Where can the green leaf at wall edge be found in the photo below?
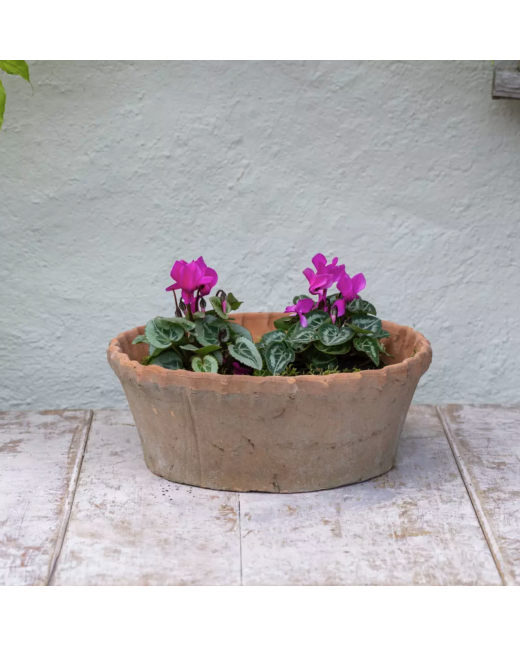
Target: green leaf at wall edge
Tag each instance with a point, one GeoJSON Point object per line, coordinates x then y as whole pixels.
{"type": "Point", "coordinates": [168, 359]}
{"type": "Point", "coordinates": [204, 364]}
{"type": "Point", "coordinates": [330, 334]}
{"type": "Point", "coordinates": [232, 303]}
{"type": "Point", "coordinates": [246, 352]}
{"type": "Point", "coordinates": [140, 338]}
{"type": "Point", "coordinates": [278, 356]}
{"type": "Point", "coordinates": [19, 68]}
{"type": "Point", "coordinates": [2, 103]}
{"type": "Point", "coordinates": [341, 348]}
{"type": "Point", "coordinates": [369, 346]}
{"type": "Point", "coordinates": [217, 306]}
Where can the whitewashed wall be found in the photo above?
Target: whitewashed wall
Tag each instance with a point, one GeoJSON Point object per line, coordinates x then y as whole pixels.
{"type": "Point", "coordinates": [109, 171]}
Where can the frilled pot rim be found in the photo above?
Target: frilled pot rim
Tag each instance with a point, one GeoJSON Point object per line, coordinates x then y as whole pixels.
{"type": "Point", "coordinates": [402, 338]}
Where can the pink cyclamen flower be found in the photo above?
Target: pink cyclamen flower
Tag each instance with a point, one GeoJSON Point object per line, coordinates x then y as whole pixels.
{"type": "Point", "coordinates": [191, 277]}
{"type": "Point", "coordinates": [350, 287]}
{"type": "Point", "coordinates": [320, 262]}
{"type": "Point", "coordinates": [240, 370]}
{"type": "Point", "coordinates": [302, 307]}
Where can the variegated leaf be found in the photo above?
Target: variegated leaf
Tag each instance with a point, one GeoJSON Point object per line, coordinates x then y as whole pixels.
{"type": "Point", "coordinates": [246, 352]}
{"type": "Point", "coordinates": [359, 306]}
{"type": "Point", "coordinates": [321, 361]}
{"type": "Point", "coordinates": [204, 364]}
{"type": "Point", "coordinates": [342, 348]}
{"type": "Point", "coordinates": [316, 318]}
{"type": "Point", "coordinates": [272, 337]}
{"type": "Point", "coordinates": [369, 346]}
{"type": "Point", "coordinates": [330, 334]}
{"type": "Point", "coordinates": [366, 325]}
{"type": "Point", "coordinates": [278, 356]}
{"type": "Point", "coordinates": [168, 359]}
{"type": "Point", "coordinates": [162, 333]}
{"type": "Point", "coordinates": [299, 337]}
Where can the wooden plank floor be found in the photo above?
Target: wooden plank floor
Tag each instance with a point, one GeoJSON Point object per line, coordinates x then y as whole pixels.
{"type": "Point", "coordinates": [40, 456]}
{"type": "Point", "coordinates": [447, 514]}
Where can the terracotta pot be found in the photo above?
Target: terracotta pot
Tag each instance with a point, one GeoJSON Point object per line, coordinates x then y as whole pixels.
{"type": "Point", "coordinates": [278, 434]}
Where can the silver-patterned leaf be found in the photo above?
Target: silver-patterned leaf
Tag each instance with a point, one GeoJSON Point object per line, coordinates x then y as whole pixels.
{"type": "Point", "coordinates": [239, 330]}
{"type": "Point", "coordinates": [246, 352]}
{"type": "Point", "coordinates": [162, 333]}
{"type": "Point", "coordinates": [217, 306]}
{"type": "Point", "coordinates": [299, 337]}
{"type": "Point", "coordinates": [321, 360]}
{"type": "Point", "coordinates": [369, 346]}
{"type": "Point", "coordinates": [366, 325]}
{"type": "Point", "coordinates": [342, 348]}
{"type": "Point", "coordinates": [316, 318]}
{"type": "Point", "coordinates": [272, 337]}
{"type": "Point", "coordinates": [359, 306]}
{"type": "Point", "coordinates": [330, 334]}
{"type": "Point", "coordinates": [168, 359]}
{"type": "Point", "coordinates": [278, 356]}
{"type": "Point", "coordinates": [204, 364]}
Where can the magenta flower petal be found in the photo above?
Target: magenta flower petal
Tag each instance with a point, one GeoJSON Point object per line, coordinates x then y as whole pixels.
{"type": "Point", "coordinates": [358, 283]}
{"type": "Point", "coordinates": [303, 320]}
{"type": "Point", "coordinates": [304, 305]}
{"type": "Point", "coordinates": [340, 306]}
{"type": "Point", "coordinates": [319, 261]}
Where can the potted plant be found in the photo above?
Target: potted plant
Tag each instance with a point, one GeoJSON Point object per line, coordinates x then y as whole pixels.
{"type": "Point", "coordinates": [311, 398]}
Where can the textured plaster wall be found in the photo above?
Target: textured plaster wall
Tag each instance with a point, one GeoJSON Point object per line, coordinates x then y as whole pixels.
{"type": "Point", "coordinates": [110, 171]}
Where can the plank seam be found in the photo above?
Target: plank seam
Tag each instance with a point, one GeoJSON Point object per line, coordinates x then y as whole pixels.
{"type": "Point", "coordinates": [503, 571]}
{"type": "Point", "coordinates": [240, 537]}
{"type": "Point", "coordinates": [69, 502]}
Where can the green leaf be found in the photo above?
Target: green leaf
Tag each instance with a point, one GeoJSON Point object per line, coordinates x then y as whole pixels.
{"type": "Point", "coordinates": [330, 334]}
{"type": "Point", "coordinates": [162, 333]}
{"type": "Point", "coordinates": [239, 330]}
{"type": "Point", "coordinates": [218, 356]}
{"type": "Point", "coordinates": [285, 322]}
{"type": "Point", "coordinates": [202, 352]}
{"type": "Point", "coordinates": [366, 325]}
{"type": "Point", "coordinates": [190, 347]}
{"type": "Point", "coordinates": [383, 350]}
{"type": "Point", "coordinates": [316, 318]}
{"type": "Point", "coordinates": [169, 360]}
{"type": "Point", "coordinates": [217, 306]}
{"type": "Point", "coordinates": [154, 352]}
{"type": "Point", "coordinates": [186, 323]}
{"type": "Point", "coordinates": [321, 360]}
{"type": "Point", "coordinates": [232, 303]}
{"type": "Point", "coordinates": [140, 338]}
{"type": "Point", "coordinates": [298, 298]}
{"type": "Point", "coordinates": [246, 352]}
{"type": "Point", "coordinates": [209, 333]}
{"type": "Point", "coordinates": [369, 346]}
{"type": "Point", "coordinates": [19, 68]}
{"type": "Point", "coordinates": [204, 364]}
{"type": "Point", "coordinates": [2, 103]}
{"type": "Point", "coordinates": [278, 356]}
{"type": "Point", "coordinates": [271, 337]}
{"type": "Point", "coordinates": [359, 306]}
{"type": "Point", "coordinates": [342, 348]}
{"type": "Point", "coordinates": [383, 334]}
{"type": "Point", "coordinates": [299, 337]}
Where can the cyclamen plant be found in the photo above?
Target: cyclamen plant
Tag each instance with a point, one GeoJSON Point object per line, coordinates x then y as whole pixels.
{"type": "Point", "coordinates": [196, 339]}
{"type": "Point", "coordinates": [335, 333]}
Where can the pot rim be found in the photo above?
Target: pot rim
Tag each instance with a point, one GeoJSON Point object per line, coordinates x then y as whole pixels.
{"type": "Point", "coordinates": [419, 361]}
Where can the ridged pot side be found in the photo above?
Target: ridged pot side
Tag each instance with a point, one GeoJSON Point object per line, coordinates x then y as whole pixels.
{"type": "Point", "coordinates": [277, 434]}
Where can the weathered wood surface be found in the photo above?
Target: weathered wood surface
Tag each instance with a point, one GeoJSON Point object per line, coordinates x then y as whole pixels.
{"type": "Point", "coordinates": [129, 526]}
{"type": "Point", "coordinates": [40, 455]}
{"type": "Point", "coordinates": [506, 83]}
{"type": "Point", "coordinates": [414, 525]}
{"type": "Point", "coordinates": [486, 442]}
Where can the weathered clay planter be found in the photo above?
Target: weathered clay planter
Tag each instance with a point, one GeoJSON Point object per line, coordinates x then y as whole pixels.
{"type": "Point", "coordinates": [278, 434]}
